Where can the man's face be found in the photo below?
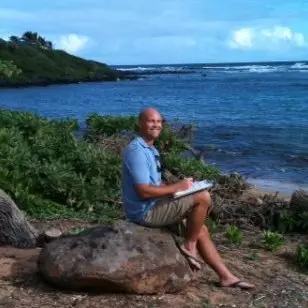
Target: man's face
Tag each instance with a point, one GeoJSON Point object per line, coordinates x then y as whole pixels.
{"type": "Point", "coordinates": [151, 125]}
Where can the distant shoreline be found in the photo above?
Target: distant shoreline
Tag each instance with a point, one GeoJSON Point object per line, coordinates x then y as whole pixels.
{"type": "Point", "coordinates": [45, 83]}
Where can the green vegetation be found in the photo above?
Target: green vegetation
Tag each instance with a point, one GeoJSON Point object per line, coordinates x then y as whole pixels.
{"type": "Point", "coordinates": [302, 256]}
{"type": "Point", "coordinates": [234, 235]}
{"type": "Point", "coordinates": [32, 60]}
{"type": "Point", "coordinates": [211, 225]}
{"type": "Point", "coordinates": [272, 240]}
{"type": "Point", "coordinates": [8, 69]}
{"type": "Point", "coordinates": [49, 172]}
{"type": "Point", "coordinates": [290, 220]}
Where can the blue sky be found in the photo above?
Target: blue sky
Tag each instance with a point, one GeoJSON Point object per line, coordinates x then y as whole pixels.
{"type": "Point", "coordinates": [165, 31]}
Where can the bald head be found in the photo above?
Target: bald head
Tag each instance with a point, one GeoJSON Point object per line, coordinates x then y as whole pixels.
{"type": "Point", "coordinates": [148, 112]}
{"type": "Point", "coordinates": [150, 124]}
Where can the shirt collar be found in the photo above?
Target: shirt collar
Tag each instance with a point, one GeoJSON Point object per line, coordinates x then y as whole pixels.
{"type": "Point", "coordinates": [142, 142]}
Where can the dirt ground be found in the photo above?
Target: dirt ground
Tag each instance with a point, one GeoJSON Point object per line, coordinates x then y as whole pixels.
{"type": "Point", "coordinates": [279, 283]}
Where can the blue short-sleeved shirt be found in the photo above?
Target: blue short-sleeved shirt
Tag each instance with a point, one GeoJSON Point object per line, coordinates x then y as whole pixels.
{"type": "Point", "coordinates": [141, 165]}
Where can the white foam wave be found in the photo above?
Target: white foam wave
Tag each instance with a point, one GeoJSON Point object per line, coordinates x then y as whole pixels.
{"type": "Point", "coordinates": [299, 66]}
{"type": "Point", "coordinates": [139, 68]}
{"type": "Point", "coordinates": [238, 67]}
{"type": "Point", "coordinates": [263, 69]}
{"type": "Point", "coordinates": [249, 68]}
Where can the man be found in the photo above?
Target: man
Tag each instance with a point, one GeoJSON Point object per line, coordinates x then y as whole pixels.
{"type": "Point", "coordinates": [148, 202]}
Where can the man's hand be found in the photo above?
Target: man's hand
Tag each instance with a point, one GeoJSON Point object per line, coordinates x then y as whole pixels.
{"type": "Point", "coordinates": [184, 184]}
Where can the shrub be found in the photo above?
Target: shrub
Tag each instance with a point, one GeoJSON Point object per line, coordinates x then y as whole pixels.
{"type": "Point", "coordinates": [289, 220]}
{"type": "Point", "coordinates": [302, 256]}
{"type": "Point", "coordinates": [272, 240]}
{"type": "Point", "coordinates": [43, 159]}
{"type": "Point", "coordinates": [234, 235]}
{"type": "Point", "coordinates": [47, 169]}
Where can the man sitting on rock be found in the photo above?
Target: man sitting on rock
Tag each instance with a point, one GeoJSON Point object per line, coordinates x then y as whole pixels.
{"type": "Point", "coordinates": [149, 202]}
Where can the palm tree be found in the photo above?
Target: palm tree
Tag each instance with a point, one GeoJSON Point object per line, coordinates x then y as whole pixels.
{"type": "Point", "coordinates": [30, 37]}
{"type": "Point", "coordinates": [14, 39]}
{"type": "Point", "coordinates": [41, 41]}
{"type": "Point", "coordinates": [49, 44]}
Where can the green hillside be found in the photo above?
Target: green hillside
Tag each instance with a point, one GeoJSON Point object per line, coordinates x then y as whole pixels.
{"type": "Point", "coordinates": [32, 60]}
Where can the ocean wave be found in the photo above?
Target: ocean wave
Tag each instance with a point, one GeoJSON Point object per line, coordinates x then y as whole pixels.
{"type": "Point", "coordinates": [139, 68]}
{"type": "Point", "coordinates": [246, 68]}
{"type": "Point", "coordinates": [300, 66]}
{"type": "Point", "coordinates": [220, 68]}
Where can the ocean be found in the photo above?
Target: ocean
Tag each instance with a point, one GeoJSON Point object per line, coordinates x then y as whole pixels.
{"type": "Point", "coordinates": [250, 118]}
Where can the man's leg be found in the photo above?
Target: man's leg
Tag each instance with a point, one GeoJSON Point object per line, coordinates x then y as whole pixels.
{"type": "Point", "coordinates": [204, 244]}
{"type": "Point", "coordinates": [168, 212]}
{"type": "Point", "coordinates": [195, 221]}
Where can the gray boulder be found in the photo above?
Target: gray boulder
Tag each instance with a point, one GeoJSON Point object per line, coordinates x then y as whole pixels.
{"type": "Point", "coordinates": [124, 258]}
{"type": "Point", "coordinates": [15, 230]}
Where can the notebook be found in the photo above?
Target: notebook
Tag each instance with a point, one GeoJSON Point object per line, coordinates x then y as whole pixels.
{"type": "Point", "coordinates": [196, 186]}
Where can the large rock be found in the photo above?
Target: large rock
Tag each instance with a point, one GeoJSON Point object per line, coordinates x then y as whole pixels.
{"type": "Point", "coordinates": [123, 258]}
{"type": "Point", "coordinates": [15, 230]}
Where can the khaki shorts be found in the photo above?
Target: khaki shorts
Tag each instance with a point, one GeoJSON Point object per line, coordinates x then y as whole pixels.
{"type": "Point", "coordinates": [169, 211]}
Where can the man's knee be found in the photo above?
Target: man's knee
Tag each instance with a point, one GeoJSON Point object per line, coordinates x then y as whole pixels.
{"type": "Point", "coordinates": [203, 198]}
{"type": "Point", "coordinates": [204, 232]}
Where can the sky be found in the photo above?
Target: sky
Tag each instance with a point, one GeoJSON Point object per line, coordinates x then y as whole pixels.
{"type": "Point", "coordinates": [131, 32]}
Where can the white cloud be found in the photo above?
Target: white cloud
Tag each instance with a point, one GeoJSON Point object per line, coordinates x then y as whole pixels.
{"type": "Point", "coordinates": [72, 43]}
{"type": "Point", "coordinates": [242, 38]}
{"type": "Point", "coordinates": [266, 39]}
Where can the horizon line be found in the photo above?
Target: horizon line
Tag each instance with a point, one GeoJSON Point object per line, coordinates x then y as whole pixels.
{"type": "Point", "coordinates": [213, 63]}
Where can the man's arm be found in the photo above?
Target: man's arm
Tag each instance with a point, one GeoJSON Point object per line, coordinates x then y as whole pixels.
{"type": "Point", "coordinates": [146, 191]}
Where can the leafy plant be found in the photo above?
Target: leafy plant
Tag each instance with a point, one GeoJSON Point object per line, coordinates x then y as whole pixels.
{"type": "Point", "coordinates": [211, 225]}
{"type": "Point", "coordinates": [272, 240]}
{"type": "Point", "coordinates": [234, 235]}
{"type": "Point", "coordinates": [302, 256]}
{"type": "Point", "coordinates": [253, 256]}
{"type": "Point", "coordinates": [289, 220]}
{"type": "Point", "coordinates": [77, 230]}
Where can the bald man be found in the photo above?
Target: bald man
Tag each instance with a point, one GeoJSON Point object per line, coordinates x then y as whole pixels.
{"type": "Point", "coordinates": [149, 202]}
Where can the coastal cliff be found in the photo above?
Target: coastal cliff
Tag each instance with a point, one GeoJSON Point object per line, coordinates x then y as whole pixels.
{"type": "Point", "coordinates": [31, 60]}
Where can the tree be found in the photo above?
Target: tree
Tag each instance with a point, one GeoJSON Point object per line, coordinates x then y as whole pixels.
{"type": "Point", "coordinates": [30, 37]}
{"type": "Point", "coordinates": [8, 69]}
{"type": "Point", "coordinates": [14, 39]}
{"type": "Point", "coordinates": [42, 42]}
{"type": "Point", "coordinates": [49, 45]}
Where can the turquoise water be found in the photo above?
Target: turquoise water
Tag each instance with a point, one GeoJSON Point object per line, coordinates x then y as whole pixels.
{"type": "Point", "coordinates": [251, 118]}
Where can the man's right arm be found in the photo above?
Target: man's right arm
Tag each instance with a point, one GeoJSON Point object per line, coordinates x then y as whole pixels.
{"type": "Point", "coordinates": [146, 191]}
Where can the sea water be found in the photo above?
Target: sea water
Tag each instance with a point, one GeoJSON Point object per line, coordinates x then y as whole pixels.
{"type": "Point", "coordinates": [250, 118]}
